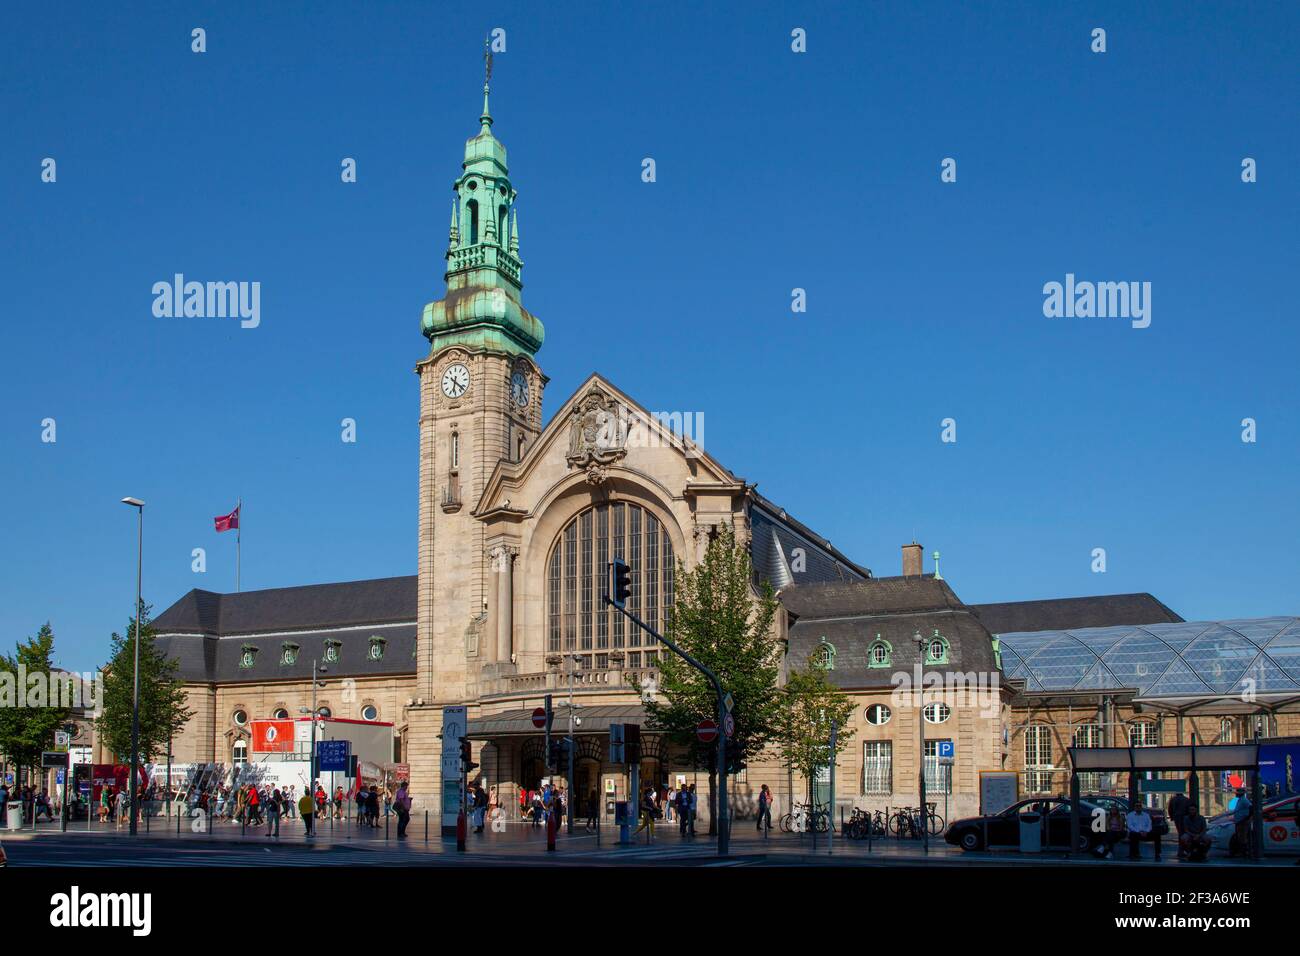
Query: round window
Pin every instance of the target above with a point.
(937, 713)
(281, 714)
(324, 712)
(878, 714)
(370, 712)
(240, 717)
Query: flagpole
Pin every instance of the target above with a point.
(239, 510)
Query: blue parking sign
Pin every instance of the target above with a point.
(947, 750)
(332, 755)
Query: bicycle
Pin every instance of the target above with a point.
(907, 821)
(798, 821)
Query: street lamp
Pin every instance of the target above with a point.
(311, 783)
(138, 505)
(920, 724)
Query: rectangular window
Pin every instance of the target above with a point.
(938, 777)
(634, 560)
(570, 586)
(878, 766)
(553, 638)
(620, 552)
(602, 566)
(651, 573)
(588, 576)
(1038, 754)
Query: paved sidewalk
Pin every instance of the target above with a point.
(518, 844)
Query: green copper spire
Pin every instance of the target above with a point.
(482, 307)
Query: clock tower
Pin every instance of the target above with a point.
(480, 403)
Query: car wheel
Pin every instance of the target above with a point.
(971, 840)
(1083, 843)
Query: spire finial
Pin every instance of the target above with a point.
(486, 118)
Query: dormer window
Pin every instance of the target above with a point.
(936, 649)
(332, 651)
(288, 653)
(880, 653)
(376, 651)
(823, 657)
(247, 655)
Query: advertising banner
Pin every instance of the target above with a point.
(273, 736)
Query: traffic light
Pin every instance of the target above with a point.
(467, 763)
(619, 586)
(558, 755)
(632, 743)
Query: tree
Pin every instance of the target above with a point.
(719, 619)
(162, 695)
(38, 708)
(809, 704)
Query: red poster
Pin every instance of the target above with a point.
(272, 736)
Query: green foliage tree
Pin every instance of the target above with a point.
(809, 704)
(27, 730)
(162, 695)
(719, 619)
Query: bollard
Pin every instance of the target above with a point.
(460, 831)
(552, 824)
(426, 825)
(178, 824)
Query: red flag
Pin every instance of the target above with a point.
(227, 522)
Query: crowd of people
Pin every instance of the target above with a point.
(34, 802)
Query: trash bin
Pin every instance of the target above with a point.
(1031, 833)
(14, 815)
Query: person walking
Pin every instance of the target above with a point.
(306, 810)
(683, 810)
(479, 805)
(648, 814)
(694, 806)
(593, 809)
(273, 814)
(403, 807)
(765, 808)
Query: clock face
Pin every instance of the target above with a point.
(519, 389)
(455, 380)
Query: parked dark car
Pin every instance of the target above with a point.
(1003, 829)
(1112, 803)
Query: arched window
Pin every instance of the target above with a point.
(472, 205)
(1227, 730)
(577, 621)
(280, 714)
(239, 752)
(455, 450)
(879, 653)
(936, 649)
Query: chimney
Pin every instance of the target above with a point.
(912, 560)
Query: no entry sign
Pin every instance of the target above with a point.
(539, 718)
(707, 731)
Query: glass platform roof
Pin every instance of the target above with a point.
(1190, 659)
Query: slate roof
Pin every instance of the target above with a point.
(207, 632)
(347, 603)
(1062, 614)
(851, 615)
(776, 535)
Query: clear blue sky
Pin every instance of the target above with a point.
(775, 171)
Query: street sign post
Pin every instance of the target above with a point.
(539, 717)
(707, 730)
(616, 749)
(332, 755)
(729, 726)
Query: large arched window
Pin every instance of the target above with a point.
(577, 620)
